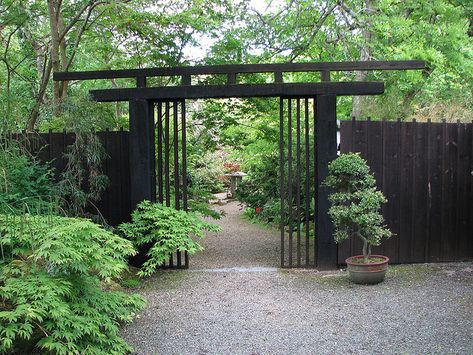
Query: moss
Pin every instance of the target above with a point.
(165, 279)
(130, 279)
(404, 275)
(412, 273)
(339, 279)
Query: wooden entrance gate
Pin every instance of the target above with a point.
(301, 105)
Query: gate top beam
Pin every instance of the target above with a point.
(239, 90)
(232, 69)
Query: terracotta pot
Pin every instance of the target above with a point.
(369, 273)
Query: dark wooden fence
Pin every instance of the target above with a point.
(424, 169)
(115, 203)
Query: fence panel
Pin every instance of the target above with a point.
(424, 170)
(51, 147)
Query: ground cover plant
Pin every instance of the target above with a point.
(355, 202)
(167, 230)
(54, 274)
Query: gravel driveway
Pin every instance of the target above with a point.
(234, 300)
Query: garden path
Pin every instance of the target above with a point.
(234, 300)
(240, 244)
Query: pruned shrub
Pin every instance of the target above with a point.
(355, 203)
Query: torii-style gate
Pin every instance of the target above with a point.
(170, 103)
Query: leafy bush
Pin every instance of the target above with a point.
(83, 181)
(167, 229)
(261, 186)
(355, 204)
(205, 172)
(24, 182)
(52, 286)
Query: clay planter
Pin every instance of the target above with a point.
(368, 274)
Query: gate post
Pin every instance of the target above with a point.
(326, 151)
(142, 152)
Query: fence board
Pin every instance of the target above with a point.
(392, 168)
(406, 190)
(464, 190)
(420, 193)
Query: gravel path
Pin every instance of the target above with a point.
(233, 300)
(239, 244)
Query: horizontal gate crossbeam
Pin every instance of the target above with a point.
(233, 69)
(240, 90)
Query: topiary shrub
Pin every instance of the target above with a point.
(355, 203)
(168, 231)
(53, 286)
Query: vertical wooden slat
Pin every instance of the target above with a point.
(316, 173)
(120, 173)
(177, 196)
(405, 237)
(298, 181)
(436, 139)
(167, 158)
(449, 231)
(167, 152)
(469, 240)
(307, 182)
(176, 167)
(464, 191)
(289, 177)
(429, 192)
(184, 154)
(392, 180)
(109, 193)
(159, 128)
(281, 177)
(420, 188)
(184, 167)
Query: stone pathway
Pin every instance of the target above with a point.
(234, 300)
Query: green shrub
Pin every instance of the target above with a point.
(169, 230)
(53, 279)
(24, 183)
(355, 203)
(206, 172)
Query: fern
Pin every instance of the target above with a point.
(52, 281)
(167, 229)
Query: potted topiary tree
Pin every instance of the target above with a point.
(355, 205)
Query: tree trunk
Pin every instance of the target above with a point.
(53, 11)
(63, 57)
(34, 114)
(365, 54)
